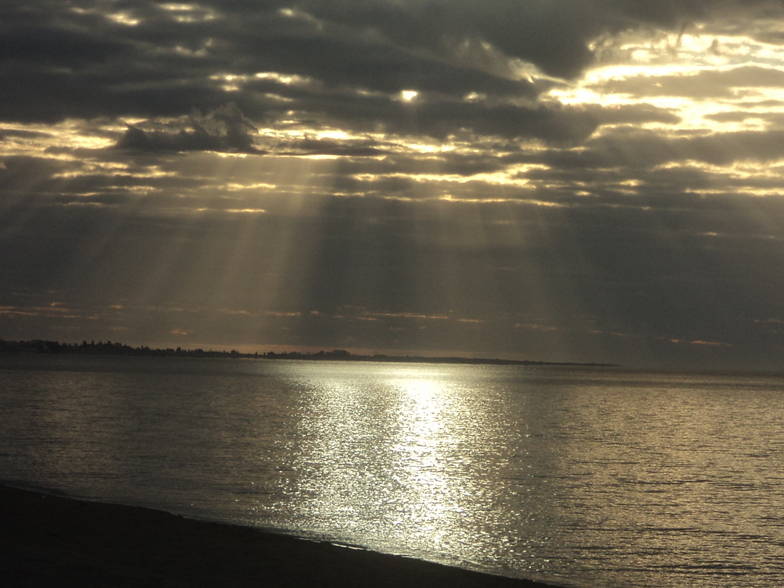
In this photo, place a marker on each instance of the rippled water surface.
(582, 477)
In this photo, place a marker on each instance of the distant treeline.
(109, 348)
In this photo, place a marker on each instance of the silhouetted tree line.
(109, 348)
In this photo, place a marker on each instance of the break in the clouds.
(576, 180)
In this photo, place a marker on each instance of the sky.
(553, 180)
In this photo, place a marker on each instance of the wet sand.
(49, 541)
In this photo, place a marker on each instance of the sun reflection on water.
(387, 453)
(423, 446)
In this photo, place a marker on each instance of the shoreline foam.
(48, 540)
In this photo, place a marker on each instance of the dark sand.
(47, 541)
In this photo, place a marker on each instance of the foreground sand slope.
(48, 541)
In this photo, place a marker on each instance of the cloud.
(554, 35)
(629, 147)
(722, 83)
(440, 119)
(635, 114)
(223, 129)
(349, 148)
(86, 59)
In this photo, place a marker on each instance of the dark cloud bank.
(260, 182)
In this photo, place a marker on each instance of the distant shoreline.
(39, 346)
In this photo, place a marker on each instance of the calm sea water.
(582, 477)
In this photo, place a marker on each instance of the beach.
(48, 540)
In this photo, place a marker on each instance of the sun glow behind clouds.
(189, 13)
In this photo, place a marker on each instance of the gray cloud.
(633, 148)
(553, 35)
(223, 129)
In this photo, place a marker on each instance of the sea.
(583, 477)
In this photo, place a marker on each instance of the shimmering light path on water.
(585, 477)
